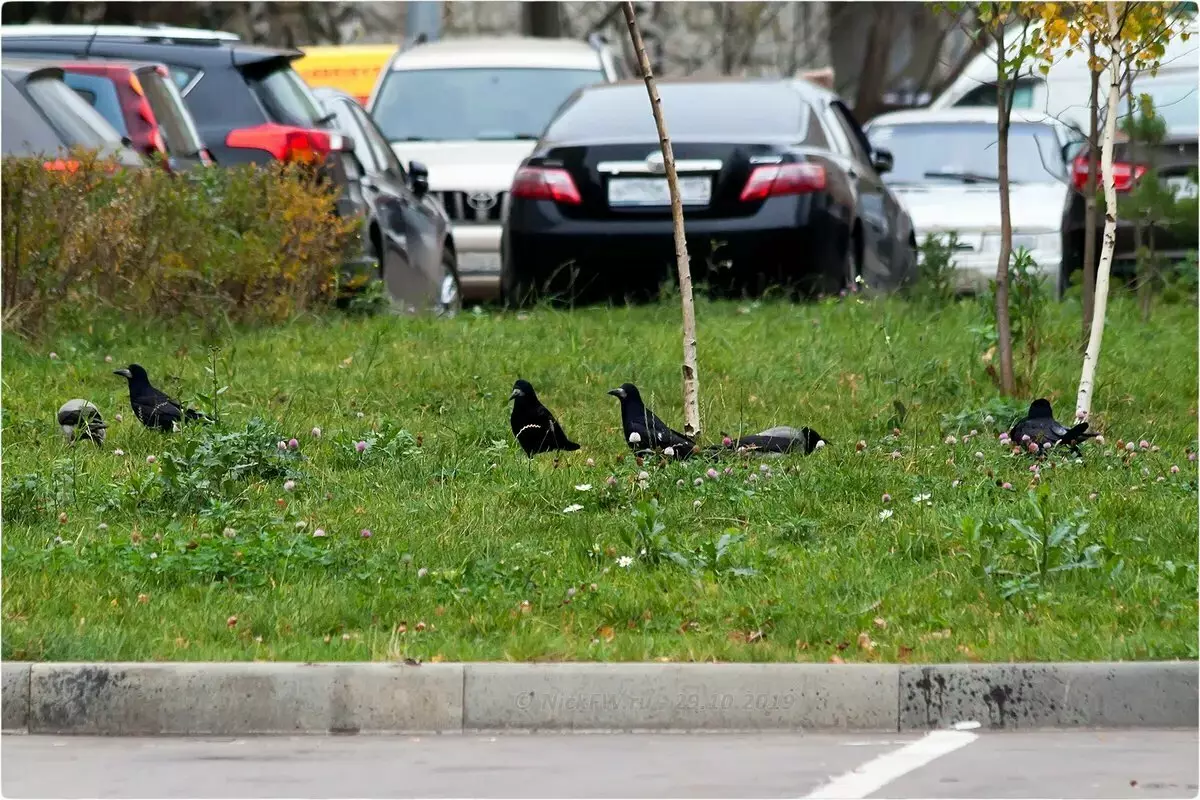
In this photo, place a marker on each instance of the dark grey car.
(409, 230)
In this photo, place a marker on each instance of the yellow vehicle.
(353, 68)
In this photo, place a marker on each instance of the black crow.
(536, 429)
(153, 408)
(79, 419)
(644, 431)
(1042, 429)
(782, 439)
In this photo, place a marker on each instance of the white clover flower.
(571, 509)
(885, 514)
(635, 438)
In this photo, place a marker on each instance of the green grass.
(472, 556)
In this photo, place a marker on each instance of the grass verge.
(474, 552)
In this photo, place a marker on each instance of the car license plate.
(1184, 187)
(694, 190)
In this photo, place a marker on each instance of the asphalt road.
(1141, 764)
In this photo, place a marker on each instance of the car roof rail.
(148, 32)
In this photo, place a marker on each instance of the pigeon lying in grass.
(153, 408)
(536, 429)
(1043, 430)
(773, 441)
(646, 432)
(79, 419)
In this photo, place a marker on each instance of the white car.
(945, 173)
(1063, 90)
(471, 110)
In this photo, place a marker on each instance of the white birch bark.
(1091, 358)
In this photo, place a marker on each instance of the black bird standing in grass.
(153, 408)
(1042, 429)
(536, 429)
(79, 419)
(644, 431)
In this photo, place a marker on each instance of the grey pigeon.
(774, 441)
(79, 419)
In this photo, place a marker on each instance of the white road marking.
(879, 772)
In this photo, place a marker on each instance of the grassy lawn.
(472, 554)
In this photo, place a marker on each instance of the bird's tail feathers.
(570, 447)
(1078, 434)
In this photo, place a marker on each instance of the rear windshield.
(102, 95)
(79, 123)
(474, 104)
(174, 121)
(284, 95)
(965, 152)
(739, 112)
(22, 130)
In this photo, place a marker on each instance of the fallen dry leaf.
(880, 623)
(836, 659)
(865, 643)
(606, 633)
(904, 653)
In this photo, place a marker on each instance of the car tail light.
(1125, 175)
(780, 179)
(287, 142)
(540, 183)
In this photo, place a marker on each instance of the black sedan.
(779, 186)
(407, 229)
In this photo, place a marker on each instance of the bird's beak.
(616, 392)
(124, 373)
(515, 394)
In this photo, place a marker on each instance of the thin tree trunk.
(691, 389)
(1003, 323)
(1083, 402)
(1089, 197)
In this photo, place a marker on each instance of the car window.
(284, 95)
(174, 120)
(987, 95)
(473, 104)
(346, 122)
(710, 110)
(101, 94)
(859, 148)
(968, 149)
(183, 77)
(79, 123)
(381, 150)
(22, 129)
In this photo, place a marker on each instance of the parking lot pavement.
(1148, 764)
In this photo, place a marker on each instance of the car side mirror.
(882, 160)
(418, 176)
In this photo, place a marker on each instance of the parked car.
(1175, 160)
(248, 102)
(353, 68)
(1064, 89)
(407, 228)
(778, 182)
(946, 174)
(141, 102)
(494, 97)
(41, 116)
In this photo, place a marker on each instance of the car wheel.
(514, 292)
(449, 300)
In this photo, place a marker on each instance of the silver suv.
(471, 110)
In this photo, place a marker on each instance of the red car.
(142, 103)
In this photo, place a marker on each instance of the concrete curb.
(233, 699)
